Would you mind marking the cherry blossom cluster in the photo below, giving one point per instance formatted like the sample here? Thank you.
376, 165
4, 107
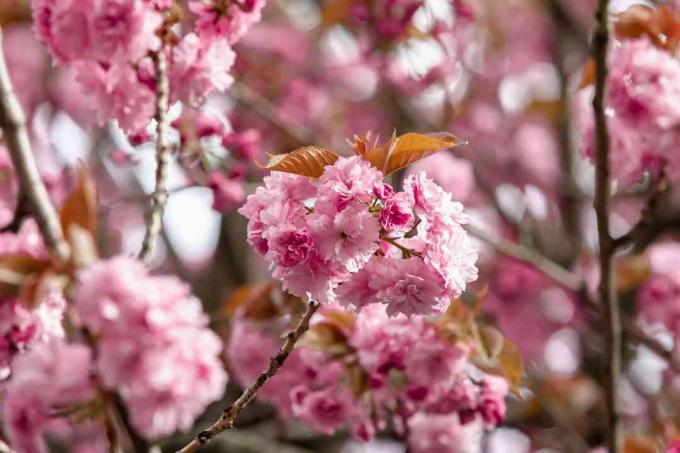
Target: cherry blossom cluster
398, 371
642, 115
350, 238
23, 326
108, 45
200, 131
49, 384
154, 346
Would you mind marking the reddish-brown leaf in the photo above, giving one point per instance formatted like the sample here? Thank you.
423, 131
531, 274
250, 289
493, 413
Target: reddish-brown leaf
308, 161
251, 301
406, 149
80, 208
588, 74
661, 25
510, 362
17, 271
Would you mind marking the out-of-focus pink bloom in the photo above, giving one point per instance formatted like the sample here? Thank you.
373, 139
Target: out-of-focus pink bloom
454, 174
98, 30
155, 347
244, 144
430, 433
641, 114
199, 66
232, 24
528, 307
117, 93
674, 447
48, 378
659, 295
227, 193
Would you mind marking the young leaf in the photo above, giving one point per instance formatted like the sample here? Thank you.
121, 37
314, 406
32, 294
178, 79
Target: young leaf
308, 161
251, 301
661, 25
588, 74
80, 208
17, 271
510, 362
407, 149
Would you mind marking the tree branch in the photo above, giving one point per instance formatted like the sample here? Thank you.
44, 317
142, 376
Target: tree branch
163, 150
532, 257
13, 125
226, 421
607, 295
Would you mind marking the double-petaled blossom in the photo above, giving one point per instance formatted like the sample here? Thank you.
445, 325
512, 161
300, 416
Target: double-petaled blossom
154, 346
44, 382
108, 45
379, 369
23, 326
642, 116
350, 238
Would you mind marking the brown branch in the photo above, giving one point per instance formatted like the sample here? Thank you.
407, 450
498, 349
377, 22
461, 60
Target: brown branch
532, 257
611, 316
226, 421
163, 150
13, 124
263, 108
654, 345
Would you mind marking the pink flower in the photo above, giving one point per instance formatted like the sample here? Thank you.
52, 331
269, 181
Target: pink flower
199, 66
233, 24
45, 379
454, 174
350, 238
121, 29
410, 287
62, 26
244, 144
155, 347
349, 179
397, 214
442, 434
290, 246
642, 117
674, 447
117, 94
97, 30
491, 404
324, 410
227, 193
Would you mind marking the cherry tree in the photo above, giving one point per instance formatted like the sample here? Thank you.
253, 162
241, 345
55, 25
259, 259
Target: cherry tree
432, 226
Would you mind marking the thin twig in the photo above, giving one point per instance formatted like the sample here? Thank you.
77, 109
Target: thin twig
530, 256
253, 100
13, 125
607, 295
654, 345
572, 281
163, 150
226, 421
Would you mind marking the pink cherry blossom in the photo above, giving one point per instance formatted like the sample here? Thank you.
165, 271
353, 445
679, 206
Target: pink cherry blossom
231, 24
45, 379
199, 67
155, 347
227, 193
